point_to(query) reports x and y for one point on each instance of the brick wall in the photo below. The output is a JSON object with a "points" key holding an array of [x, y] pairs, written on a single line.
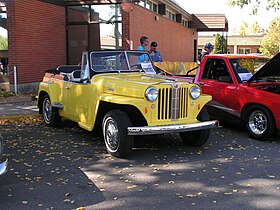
{"points": [[175, 42], [37, 41], [126, 7]]}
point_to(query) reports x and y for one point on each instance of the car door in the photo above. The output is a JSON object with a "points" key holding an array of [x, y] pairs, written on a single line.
{"points": [[217, 81], [76, 94], [76, 99]]}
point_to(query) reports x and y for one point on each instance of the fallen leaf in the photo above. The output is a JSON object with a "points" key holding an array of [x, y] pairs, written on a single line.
{"points": [[131, 186]]}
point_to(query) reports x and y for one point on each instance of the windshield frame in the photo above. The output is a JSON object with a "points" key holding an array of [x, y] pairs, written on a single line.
{"points": [[117, 61]]}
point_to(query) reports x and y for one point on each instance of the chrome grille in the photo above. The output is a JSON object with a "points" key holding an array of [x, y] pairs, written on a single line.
{"points": [[172, 103]]}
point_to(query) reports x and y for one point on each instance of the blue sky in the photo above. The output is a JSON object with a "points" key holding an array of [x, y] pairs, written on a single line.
{"points": [[235, 15]]}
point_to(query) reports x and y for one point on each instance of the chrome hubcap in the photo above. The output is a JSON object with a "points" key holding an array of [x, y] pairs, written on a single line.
{"points": [[111, 134], [47, 110], [257, 122]]}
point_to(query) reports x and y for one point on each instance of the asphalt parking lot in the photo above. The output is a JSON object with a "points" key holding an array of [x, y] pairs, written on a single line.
{"points": [[69, 168]]}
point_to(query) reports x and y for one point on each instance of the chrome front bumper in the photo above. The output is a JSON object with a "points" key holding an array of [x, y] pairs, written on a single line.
{"points": [[149, 130], [3, 167]]}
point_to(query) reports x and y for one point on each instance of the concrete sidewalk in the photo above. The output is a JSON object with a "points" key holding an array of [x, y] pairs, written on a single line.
{"points": [[16, 106]]}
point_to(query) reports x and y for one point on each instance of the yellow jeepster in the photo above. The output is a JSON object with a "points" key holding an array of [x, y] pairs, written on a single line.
{"points": [[121, 93]]}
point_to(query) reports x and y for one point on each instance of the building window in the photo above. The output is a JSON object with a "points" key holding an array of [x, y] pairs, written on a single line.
{"points": [[142, 3], [150, 5], [244, 50], [155, 8], [185, 23], [170, 15]]}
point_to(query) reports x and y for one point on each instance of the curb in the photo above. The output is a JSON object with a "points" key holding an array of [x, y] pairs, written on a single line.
{"points": [[19, 116]]}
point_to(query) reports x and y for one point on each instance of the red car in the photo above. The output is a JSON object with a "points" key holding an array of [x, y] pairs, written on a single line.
{"points": [[246, 87]]}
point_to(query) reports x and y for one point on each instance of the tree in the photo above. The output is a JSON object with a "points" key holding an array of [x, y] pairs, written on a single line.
{"points": [[255, 29], [271, 4], [243, 30], [3, 43], [220, 44], [246, 29], [270, 44]]}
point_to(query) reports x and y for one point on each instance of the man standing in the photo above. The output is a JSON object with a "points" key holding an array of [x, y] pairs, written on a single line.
{"points": [[144, 41], [155, 55]]}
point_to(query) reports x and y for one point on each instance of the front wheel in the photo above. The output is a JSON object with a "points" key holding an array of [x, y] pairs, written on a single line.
{"points": [[114, 127], [259, 123], [200, 137], [51, 116]]}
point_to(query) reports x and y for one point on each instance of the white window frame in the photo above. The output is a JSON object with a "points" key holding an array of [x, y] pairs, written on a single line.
{"points": [[185, 23], [170, 15], [244, 50], [148, 4]]}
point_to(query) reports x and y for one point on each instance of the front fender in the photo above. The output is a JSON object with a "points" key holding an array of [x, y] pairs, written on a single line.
{"points": [[138, 103], [200, 103]]}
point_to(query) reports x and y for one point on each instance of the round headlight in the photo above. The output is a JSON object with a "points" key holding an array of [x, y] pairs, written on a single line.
{"points": [[151, 94], [195, 92]]}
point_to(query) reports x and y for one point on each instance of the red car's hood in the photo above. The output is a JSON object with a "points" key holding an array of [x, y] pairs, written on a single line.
{"points": [[273, 87], [270, 72]]}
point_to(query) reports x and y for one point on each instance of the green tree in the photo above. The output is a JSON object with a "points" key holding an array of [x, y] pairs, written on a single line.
{"points": [[270, 44], [3, 43], [220, 44], [271, 4]]}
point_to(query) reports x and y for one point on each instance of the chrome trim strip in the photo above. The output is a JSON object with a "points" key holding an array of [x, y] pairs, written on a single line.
{"points": [[223, 108], [3, 167], [149, 130]]}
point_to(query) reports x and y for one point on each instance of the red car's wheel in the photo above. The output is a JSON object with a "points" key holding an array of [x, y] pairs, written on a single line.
{"points": [[260, 123]]}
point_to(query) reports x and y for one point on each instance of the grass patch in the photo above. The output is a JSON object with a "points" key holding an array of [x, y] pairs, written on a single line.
{"points": [[6, 94]]}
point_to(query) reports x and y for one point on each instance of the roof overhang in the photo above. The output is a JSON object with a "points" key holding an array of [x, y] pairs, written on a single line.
{"points": [[85, 2], [209, 22]]}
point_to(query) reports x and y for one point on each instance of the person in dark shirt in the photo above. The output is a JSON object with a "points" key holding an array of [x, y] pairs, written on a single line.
{"points": [[155, 55], [207, 49]]}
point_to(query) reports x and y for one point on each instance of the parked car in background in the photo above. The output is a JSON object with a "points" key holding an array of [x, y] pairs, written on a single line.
{"points": [[3, 163], [114, 92], [245, 88]]}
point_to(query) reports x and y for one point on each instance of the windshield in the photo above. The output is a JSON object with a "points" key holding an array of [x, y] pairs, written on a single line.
{"points": [[245, 68], [116, 61]]}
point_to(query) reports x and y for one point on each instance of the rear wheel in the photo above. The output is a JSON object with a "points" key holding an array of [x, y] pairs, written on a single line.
{"points": [[259, 123], [51, 116], [114, 127], [197, 138]]}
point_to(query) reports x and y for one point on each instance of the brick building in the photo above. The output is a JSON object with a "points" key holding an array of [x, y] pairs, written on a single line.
{"points": [[44, 34]]}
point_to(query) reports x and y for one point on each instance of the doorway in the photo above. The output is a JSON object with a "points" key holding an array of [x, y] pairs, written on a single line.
{"points": [[92, 27]]}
